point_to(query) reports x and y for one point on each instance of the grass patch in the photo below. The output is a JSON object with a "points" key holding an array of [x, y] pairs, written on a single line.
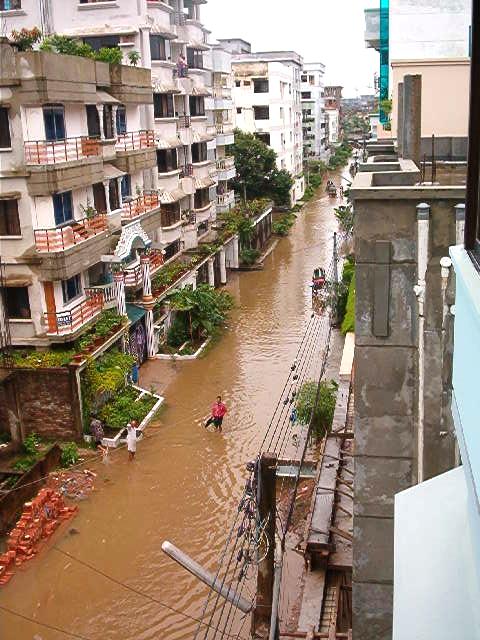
{"points": [[348, 323]]}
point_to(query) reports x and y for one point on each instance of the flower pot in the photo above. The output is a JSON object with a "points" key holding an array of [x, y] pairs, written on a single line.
{"points": [[78, 357]]}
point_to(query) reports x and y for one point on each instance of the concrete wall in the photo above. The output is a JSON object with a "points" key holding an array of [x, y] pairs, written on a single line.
{"points": [[445, 95], [387, 378]]}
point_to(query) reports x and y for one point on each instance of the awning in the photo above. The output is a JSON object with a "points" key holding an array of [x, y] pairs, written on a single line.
{"points": [[102, 30], [201, 46], [105, 98], [17, 281], [134, 313], [109, 171], [168, 143], [164, 87], [167, 197], [200, 91], [10, 195], [201, 137], [158, 30], [204, 183]]}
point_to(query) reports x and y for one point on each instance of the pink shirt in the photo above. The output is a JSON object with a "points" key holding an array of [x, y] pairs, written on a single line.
{"points": [[218, 410]]}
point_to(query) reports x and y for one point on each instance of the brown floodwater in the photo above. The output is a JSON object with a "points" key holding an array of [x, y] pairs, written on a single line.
{"points": [[185, 482]]}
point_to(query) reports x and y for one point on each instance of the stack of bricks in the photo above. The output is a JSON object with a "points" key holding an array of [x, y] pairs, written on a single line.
{"points": [[38, 521]]}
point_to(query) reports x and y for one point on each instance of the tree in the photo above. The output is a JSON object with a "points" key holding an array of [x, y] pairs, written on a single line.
{"points": [[280, 183], [322, 410], [255, 162]]}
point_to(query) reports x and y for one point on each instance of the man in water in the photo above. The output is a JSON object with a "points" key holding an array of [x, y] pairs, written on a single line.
{"points": [[131, 441], [218, 411]]}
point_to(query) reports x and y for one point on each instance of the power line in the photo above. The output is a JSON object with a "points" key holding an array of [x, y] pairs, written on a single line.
{"points": [[71, 634]]}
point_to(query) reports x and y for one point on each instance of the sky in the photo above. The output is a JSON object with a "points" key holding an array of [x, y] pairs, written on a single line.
{"points": [[328, 31]]}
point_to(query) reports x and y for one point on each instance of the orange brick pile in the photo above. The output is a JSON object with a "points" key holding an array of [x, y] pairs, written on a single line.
{"points": [[38, 521]]}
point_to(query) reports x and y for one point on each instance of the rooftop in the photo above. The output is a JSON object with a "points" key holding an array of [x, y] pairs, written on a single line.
{"points": [[269, 56]]}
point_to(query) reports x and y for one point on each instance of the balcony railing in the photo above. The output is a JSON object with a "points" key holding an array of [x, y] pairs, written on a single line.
{"points": [[40, 152], [221, 128], [186, 171], [107, 290], [222, 92], [183, 122], [134, 275], [224, 164], [225, 199], [142, 204], [66, 322], [61, 238], [135, 140]]}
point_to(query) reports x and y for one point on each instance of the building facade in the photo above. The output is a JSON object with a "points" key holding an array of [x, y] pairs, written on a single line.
{"points": [[313, 111], [333, 113], [267, 99]]}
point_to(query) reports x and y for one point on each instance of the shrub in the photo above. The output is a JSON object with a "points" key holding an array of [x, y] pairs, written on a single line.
{"points": [[54, 357], [322, 411], [125, 407], [178, 332], [249, 256], [134, 58], [26, 38], [112, 55], [69, 455], [347, 275], [283, 225], [348, 323]]}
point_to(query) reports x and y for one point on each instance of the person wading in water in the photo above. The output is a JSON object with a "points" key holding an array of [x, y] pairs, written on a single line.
{"points": [[218, 411]]}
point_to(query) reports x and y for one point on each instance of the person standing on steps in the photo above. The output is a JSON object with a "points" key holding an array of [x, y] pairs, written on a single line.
{"points": [[218, 411]]}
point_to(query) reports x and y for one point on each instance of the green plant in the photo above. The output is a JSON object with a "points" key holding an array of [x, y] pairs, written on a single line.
{"points": [[65, 45], [281, 183], [30, 447], [178, 332], [31, 444], [88, 210], [319, 410], [69, 454], [25, 463], [283, 225], [347, 275], [126, 407], [31, 359], [26, 38], [249, 256], [344, 215], [112, 55], [348, 323], [134, 58]]}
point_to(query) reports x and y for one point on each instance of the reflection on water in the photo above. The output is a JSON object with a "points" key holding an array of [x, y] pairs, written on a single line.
{"points": [[185, 481]]}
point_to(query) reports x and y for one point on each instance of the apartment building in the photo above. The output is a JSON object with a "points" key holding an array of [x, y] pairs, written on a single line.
{"points": [[267, 99], [313, 111], [333, 111], [144, 149]]}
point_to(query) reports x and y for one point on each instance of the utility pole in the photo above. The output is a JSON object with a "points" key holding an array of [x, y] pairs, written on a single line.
{"points": [[266, 497]]}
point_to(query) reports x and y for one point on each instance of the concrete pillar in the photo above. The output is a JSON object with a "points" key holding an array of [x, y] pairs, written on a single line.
{"points": [[400, 120], [119, 284], [459, 224], [150, 331], [211, 273], [120, 198], [236, 261], [114, 120], [100, 117], [147, 280], [223, 267], [106, 186], [412, 117]]}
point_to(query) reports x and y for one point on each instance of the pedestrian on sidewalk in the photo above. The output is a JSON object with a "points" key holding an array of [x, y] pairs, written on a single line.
{"points": [[218, 411], [131, 441]]}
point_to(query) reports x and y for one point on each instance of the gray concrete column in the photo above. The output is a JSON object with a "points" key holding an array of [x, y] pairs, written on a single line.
{"points": [[412, 117], [211, 273], [100, 117], [400, 120], [106, 186], [223, 267]]}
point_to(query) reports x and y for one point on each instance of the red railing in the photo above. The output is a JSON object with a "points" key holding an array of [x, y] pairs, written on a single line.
{"points": [[61, 238], [183, 122], [52, 152], [134, 275], [136, 140], [142, 204], [65, 322], [107, 290]]}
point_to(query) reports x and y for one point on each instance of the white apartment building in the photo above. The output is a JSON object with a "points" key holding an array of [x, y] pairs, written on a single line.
{"points": [[332, 124], [267, 103], [313, 111], [126, 159]]}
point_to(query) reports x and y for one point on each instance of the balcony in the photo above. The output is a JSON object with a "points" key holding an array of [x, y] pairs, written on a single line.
{"points": [[183, 122], [136, 140], [136, 151], [107, 290], [372, 28], [63, 323], [78, 231], [44, 152], [138, 206], [226, 168], [225, 201], [224, 132], [134, 275]]}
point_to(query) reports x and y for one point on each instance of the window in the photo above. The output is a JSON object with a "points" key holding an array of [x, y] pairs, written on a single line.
{"points": [[172, 249], [239, 109], [126, 186], [237, 83], [54, 119], [167, 160], [306, 95], [17, 303], [108, 121], [113, 194], [157, 48], [194, 58], [163, 105], [99, 197], [201, 198], [62, 207], [71, 288], [264, 137], [9, 220], [304, 78], [10, 5], [282, 113], [246, 83], [282, 139], [98, 42], [93, 121], [311, 79], [261, 113], [199, 152], [121, 119], [197, 105], [170, 215], [260, 85], [5, 140]]}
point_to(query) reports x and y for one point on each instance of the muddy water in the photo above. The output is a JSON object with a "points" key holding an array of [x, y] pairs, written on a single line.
{"points": [[185, 482]]}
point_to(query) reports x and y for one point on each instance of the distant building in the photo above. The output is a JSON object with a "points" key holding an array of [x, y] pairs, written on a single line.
{"points": [[267, 103], [333, 112], [313, 111]]}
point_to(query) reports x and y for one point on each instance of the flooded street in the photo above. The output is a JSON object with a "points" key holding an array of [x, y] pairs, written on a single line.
{"points": [[185, 482]]}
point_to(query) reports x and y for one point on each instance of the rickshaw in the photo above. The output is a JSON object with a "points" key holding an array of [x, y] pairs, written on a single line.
{"points": [[331, 190], [318, 280]]}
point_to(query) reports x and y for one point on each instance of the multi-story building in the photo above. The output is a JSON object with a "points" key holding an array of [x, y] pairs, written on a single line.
{"points": [[333, 112], [142, 146], [267, 103], [313, 110]]}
